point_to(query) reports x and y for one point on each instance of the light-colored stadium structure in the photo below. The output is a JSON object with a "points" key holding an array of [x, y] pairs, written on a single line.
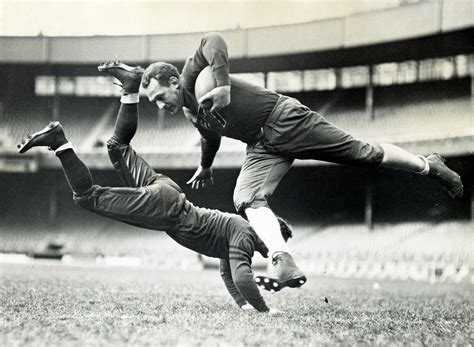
{"points": [[402, 75]]}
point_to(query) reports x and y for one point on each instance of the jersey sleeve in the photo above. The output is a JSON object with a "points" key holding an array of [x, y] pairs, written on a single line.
{"points": [[213, 52], [240, 258], [210, 143], [229, 283]]}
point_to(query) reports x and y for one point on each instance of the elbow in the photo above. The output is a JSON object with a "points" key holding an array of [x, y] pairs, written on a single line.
{"points": [[214, 39], [213, 35]]}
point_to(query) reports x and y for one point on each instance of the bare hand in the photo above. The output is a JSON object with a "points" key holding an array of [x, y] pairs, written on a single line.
{"points": [[275, 312], [247, 307], [219, 96], [201, 178]]}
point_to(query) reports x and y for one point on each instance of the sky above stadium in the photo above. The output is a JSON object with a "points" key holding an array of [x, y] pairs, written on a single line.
{"points": [[107, 17]]}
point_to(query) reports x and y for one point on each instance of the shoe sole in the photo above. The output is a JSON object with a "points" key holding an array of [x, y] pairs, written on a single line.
{"points": [[272, 285], [117, 66], [22, 148]]}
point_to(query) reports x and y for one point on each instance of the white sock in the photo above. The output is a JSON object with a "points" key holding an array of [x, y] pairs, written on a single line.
{"points": [[265, 224], [130, 98], [426, 170], [62, 148]]}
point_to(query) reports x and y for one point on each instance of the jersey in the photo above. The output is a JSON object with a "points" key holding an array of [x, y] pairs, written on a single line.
{"points": [[248, 111], [228, 237]]}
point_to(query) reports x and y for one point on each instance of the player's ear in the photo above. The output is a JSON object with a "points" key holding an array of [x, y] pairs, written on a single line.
{"points": [[174, 81]]}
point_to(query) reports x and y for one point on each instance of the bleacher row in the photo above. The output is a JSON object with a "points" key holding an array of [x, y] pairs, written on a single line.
{"points": [[402, 113], [416, 251]]}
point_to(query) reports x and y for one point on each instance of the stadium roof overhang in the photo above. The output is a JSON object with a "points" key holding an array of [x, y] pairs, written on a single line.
{"points": [[439, 45]]}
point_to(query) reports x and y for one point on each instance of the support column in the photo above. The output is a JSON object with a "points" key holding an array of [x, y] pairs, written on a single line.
{"points": [[56, 99], [369, 202], [53, 204], [369, 96]]}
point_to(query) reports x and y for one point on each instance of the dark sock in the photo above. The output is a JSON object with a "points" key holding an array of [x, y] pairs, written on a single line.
{"points": [[126, 123], [77, 173], [58, 143]]}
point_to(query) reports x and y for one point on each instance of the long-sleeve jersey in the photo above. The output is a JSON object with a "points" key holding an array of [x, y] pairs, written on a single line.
{"points": [[250, 106], [228, 237], [160, 204]]}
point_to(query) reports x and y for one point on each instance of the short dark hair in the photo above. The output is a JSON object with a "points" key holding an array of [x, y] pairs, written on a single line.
{"points": [[160, 71]]}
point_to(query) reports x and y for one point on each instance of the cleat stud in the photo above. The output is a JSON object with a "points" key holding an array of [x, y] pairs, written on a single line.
{"points": [[266, 280], [272, 291], [275, 284], [301, 281], [257, 280]]}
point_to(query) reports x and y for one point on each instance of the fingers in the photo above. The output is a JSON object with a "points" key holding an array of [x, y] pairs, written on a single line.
{"points": [[274, 312], [206, 101], [200, 183], [216, 99], [192, 179], [195, 184], [247, 307]]}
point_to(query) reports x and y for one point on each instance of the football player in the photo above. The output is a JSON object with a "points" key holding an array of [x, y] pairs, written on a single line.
{"points": [[154, 201]]}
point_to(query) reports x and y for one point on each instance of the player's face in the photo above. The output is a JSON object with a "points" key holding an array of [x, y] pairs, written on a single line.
{"points": [[165, 97]]}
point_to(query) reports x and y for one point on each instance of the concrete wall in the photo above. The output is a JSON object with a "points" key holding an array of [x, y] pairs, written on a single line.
{"points": [[400, 23]]}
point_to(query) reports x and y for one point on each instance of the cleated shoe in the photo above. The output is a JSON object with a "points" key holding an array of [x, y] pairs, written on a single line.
{"points": [[284, 273], [51, 136], [130, 77], [449, 179]]}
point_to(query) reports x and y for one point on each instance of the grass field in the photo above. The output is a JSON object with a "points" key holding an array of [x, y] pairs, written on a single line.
{"points": [[57, 305]]}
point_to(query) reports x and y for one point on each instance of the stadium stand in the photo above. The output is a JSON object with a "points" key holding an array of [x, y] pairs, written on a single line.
{"points": [[417, 251], [404, 113], [21, 116]]}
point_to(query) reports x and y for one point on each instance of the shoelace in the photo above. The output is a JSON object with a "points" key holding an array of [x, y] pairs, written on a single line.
{"points": [[276, 260]]}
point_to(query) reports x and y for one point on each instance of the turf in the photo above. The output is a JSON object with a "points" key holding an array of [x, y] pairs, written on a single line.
{"points": [[57, 305]]}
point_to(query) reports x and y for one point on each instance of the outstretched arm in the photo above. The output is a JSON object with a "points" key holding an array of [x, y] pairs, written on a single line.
{"points": [[210, 143], [229, 283], [240, 259], [212, 52]]}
